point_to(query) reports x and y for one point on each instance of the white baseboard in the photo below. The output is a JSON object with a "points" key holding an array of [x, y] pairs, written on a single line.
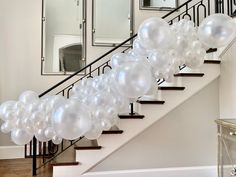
{"points": [[202, 171], [12, 152]]}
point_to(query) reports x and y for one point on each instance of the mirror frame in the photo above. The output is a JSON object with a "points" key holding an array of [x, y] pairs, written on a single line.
{"points": [[94, 43], [84, 38], [141, 7]]}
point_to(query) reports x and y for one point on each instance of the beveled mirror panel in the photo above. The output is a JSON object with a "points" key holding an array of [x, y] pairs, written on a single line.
{"points": [[112, 21], [63, 36], [162, 5]]}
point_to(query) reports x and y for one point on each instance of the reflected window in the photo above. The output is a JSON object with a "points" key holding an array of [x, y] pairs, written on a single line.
{"points": [[158, 4], [63, 31], [112, 21]]}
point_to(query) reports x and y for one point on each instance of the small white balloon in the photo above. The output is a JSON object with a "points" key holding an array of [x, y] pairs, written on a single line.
{"points": [[56, 140], [20, 137]]}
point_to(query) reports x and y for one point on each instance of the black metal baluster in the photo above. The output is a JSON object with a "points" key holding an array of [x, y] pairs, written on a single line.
{"points": [[209, 7], [34, 163]]}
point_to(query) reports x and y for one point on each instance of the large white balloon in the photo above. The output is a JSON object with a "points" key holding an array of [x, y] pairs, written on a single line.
{"points": [[216, 30], [71, 120], [134, 79], [20, 137], [155, 33]]}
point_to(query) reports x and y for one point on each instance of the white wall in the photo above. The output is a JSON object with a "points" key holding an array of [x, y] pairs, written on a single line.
{"points": [[228, 84], [183, 138]]}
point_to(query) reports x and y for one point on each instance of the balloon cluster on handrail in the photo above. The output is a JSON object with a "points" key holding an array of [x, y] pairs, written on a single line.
{"points": [[96, 102]]}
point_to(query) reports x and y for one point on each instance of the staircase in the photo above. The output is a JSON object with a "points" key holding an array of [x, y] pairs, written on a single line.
{"points": [[80, 159]]}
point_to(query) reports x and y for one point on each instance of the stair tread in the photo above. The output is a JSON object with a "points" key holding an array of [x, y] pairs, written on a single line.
{"points": [[171, 88], [131, 116], [64, 163], [88, 147], [112, 132], [150, 102], [211, 50], [212, 61], [189, 75]]}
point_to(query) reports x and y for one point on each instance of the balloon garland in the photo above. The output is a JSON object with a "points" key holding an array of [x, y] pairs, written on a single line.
{"points": [[95, 103]]}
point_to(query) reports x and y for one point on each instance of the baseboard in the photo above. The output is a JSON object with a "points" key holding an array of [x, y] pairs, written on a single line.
{"points": [[12, 152], [202, 171]]}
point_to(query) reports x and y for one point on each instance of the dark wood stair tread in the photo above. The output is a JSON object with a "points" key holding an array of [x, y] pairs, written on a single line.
{"points": [[64, 163], [131, 116], [211, 50], [88, 147], [212, 61], [150, 102], [171, 88], [108, 132], [189, 75]]}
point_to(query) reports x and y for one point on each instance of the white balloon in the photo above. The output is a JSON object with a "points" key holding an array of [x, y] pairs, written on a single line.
{"points": [[160, 60], [216, 30], [56, 140], [118, 59], [71, 120], [155, 33], [20, 137], [133, 79], [139, 49], [50, 132], [6, 127], [5, 108], [95, 132], [40, 135], [28, 97]]}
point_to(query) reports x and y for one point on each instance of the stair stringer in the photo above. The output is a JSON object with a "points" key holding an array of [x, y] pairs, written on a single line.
{"points": [[133, 127]]}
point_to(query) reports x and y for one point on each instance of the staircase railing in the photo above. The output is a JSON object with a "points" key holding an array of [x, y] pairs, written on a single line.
{"points": [[194, 10]]}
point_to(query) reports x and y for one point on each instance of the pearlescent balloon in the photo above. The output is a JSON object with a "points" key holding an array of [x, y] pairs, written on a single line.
{"points": [[40, 135], [216, 30], [6, 127], [5, 108], [49, 132], [56, 140], [159, 60], [134, 79], [118, 59], [139, 49], [28, 97], [71, 120], [155, 33], [20, 137], [95, 132]]}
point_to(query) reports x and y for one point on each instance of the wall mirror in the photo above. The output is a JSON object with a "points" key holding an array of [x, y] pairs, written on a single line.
{"points": [[63, 36], [163, 5], [112, 21]]}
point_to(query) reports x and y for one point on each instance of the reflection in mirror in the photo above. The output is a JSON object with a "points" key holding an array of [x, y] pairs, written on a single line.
{"points": [[63, 42], [158, 4], [112, 21]]}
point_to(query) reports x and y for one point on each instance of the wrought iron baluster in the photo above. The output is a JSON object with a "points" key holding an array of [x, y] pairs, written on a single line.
{"points": [[198, 12], [194, 14], [209, 7]]}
